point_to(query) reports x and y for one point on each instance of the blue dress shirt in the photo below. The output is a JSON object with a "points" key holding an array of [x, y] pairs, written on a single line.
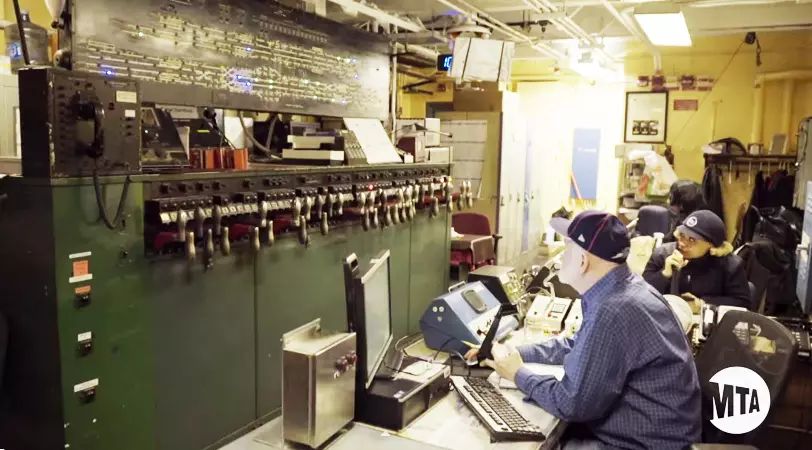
{"points": [[629, 373]]}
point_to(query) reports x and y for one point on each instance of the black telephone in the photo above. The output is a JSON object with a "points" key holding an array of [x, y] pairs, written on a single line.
{"points": [[486, 349]]}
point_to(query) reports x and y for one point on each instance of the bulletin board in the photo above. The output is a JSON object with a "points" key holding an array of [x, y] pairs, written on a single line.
{"points": [[646, 117]]}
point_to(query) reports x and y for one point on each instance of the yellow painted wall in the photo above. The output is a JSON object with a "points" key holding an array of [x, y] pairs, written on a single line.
{"points": [[36, 9], [731, 100], [413, 106]]}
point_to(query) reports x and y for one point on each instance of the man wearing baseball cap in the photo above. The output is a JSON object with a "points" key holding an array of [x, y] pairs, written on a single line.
{"points": [[629, 377], [700, 265]]}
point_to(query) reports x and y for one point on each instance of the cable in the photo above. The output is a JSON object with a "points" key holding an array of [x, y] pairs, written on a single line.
{"points": [[100, 201], [21, 31], [702, 102], [253, 140]]}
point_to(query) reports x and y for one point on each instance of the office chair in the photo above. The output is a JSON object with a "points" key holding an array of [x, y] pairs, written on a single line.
{"points": [[652, 219], [473, 224], [727, 347]]}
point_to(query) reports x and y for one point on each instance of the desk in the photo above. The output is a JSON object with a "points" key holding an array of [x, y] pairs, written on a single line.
{"points": [[448, 425]]}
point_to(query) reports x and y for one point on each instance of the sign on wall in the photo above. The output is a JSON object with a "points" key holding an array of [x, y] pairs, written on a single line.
{"points": [[586, 143], [646, 117]]}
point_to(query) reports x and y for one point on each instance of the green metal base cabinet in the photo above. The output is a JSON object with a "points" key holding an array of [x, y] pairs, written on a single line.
{"points": [[112, 349]]}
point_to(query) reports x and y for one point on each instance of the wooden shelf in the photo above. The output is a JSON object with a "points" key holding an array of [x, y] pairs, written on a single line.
{"points": [[747, 159]]}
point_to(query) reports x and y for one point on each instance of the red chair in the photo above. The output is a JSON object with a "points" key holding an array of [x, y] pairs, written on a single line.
{"points": [[472, 224]]}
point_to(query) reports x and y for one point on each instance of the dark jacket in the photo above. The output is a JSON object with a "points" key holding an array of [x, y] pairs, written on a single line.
{"points": [[712, 191], [771, 270], [716, 280]]}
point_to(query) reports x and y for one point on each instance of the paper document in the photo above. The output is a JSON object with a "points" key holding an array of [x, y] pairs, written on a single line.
{"points": [[538, 369], [373, 140]]}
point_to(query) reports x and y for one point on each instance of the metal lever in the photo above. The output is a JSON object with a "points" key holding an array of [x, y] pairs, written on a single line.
{"points": [[304, 239], [269, 236], [394, 214], [325, 228], [449, 195], [200, 216], [255, 238], [191, 251], [182, 225], [307, 208], [435, 206], [469, 196], [264, 208], [460, 199], [329, 201], [208, 256], [296, 206], [225, 243], [408, 203], [340, 200], [217, 219], [362, 201]]}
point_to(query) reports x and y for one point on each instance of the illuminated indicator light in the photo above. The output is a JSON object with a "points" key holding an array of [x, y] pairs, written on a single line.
{"points": [[306, 81], [247, 84], [140, 34], [108, 72], [356, 76], [354, 60], [347, 60], [315, 98], [369, 187], [239, 77], [248, 49]]}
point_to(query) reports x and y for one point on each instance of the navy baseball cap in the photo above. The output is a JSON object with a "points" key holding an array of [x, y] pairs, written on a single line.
{"points": [[597, 232], [704, 225]]}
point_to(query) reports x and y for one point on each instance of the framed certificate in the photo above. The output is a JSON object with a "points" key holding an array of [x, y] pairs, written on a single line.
{"points": [[646, 117]]}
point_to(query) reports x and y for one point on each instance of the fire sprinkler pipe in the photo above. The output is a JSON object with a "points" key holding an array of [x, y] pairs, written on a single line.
{"points": [[629, 24], [757, 129], [483, 18], [569, 26]]}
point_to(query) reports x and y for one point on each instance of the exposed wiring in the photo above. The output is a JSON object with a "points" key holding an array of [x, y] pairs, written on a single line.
{"points": [[23, 40], [100, 201], [253, 140]]}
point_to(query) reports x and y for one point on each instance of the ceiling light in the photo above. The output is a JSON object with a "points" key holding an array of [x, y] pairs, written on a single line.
{"points": [[664, 24]]}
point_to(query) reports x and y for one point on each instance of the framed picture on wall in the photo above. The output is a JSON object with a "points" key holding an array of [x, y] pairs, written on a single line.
{"points": [[646, 117]]}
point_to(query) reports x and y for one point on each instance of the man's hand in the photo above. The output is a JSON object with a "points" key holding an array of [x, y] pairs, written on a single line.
{"points": [[675, 260], [472, 354], [693, 301], [507, 365]]}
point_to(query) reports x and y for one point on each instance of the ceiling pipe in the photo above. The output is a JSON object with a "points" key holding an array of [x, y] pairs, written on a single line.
{"points": [[379, 15], [483, 18], [628, 22], [417, 50], [574, 31], [694, 4]]}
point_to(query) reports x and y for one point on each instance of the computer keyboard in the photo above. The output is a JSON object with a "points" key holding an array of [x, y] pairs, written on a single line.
{"points": [[495, 411]]}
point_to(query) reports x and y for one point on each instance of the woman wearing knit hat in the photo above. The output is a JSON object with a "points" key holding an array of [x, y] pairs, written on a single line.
{"points": [[702, 262]]}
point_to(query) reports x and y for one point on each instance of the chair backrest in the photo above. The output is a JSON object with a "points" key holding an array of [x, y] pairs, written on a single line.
{"points": [[731, 344], [471, 223], [653, 219], [755, 303]]}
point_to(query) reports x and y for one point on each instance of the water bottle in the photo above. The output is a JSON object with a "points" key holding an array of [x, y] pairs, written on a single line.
{"points": [[36, 38]]}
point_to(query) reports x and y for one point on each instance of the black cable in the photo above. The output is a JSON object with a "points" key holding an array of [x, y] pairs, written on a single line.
{"points": [[702, 102], [23, 41], [100, 201]]}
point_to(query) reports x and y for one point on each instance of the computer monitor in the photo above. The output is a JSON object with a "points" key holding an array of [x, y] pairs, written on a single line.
{"points": [[369, 312]]}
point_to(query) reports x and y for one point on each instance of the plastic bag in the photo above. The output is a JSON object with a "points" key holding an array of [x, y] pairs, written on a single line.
{"points": [[660, 175]]}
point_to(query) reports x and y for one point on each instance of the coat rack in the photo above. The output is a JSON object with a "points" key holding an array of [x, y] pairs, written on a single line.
{"points": [[757, 162]]}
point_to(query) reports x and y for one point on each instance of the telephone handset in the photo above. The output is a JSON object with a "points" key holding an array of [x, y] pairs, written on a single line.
{"points": [[89, 126]]}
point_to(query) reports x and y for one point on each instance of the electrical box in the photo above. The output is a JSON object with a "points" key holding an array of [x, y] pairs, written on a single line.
{"points": [[318, 383]]}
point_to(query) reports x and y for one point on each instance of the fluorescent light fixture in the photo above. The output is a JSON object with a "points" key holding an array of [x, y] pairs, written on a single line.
{"points": [[664, 24], [595, 70]]}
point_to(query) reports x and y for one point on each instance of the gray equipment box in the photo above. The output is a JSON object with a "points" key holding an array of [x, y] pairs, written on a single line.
{"points": [[318, 383]]}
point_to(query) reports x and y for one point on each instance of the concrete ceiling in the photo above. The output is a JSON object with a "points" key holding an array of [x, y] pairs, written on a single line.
{"points": [[703, 17]]}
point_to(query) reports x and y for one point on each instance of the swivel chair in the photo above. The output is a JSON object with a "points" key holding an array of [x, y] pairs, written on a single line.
{"points": [[727, 347]]}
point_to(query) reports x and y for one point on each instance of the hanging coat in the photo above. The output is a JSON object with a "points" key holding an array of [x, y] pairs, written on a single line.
{"points": [[712, 191]]}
